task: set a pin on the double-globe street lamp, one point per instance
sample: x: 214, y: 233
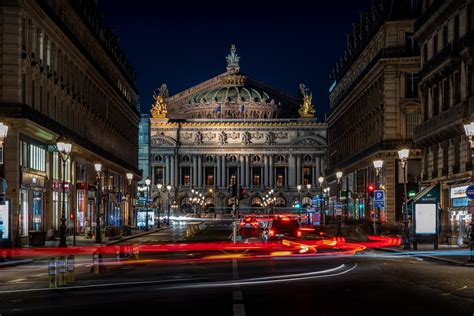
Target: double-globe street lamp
x: 129, y: 178
x: 64, y: 149
x: 147, y: 182
x: 403, y: 154
x: 98, y: 170
x: 159, y: 186
x: 168, y: 193
x: 321, y: 206
x: 338, y: 201
x: 378, y: 164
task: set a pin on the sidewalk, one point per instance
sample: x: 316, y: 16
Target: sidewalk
x: 80, y: 241
x: 449, y: 254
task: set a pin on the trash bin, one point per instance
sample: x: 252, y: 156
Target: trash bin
x: 36, y: 238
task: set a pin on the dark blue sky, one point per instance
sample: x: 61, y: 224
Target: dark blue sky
x: 182, y: 43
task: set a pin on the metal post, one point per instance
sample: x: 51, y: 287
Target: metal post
x: 98, y: 237
x: 62, y: 228
x: 159, y: 209
x: 146, y: 216
x: 406, y: 230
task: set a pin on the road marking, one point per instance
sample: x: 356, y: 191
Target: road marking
x: 239, y: 310
x: 39, y: 275
x: 17, y: 280
x: 237, y: 295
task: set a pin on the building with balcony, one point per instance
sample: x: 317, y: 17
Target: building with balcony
x: 233, y: 131
x: 445, y: 32
x: 62, y: 74
x: 374, y: 109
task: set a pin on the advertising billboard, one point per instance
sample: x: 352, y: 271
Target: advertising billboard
x: 425, y: 215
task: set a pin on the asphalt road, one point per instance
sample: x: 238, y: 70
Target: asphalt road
x: 369, y: 283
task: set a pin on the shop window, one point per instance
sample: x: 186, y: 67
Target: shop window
x: 23, y: 213
x: 55, y: 214
x: 37, y: 210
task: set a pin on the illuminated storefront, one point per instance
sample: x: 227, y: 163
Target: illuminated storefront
x: 459, y: 215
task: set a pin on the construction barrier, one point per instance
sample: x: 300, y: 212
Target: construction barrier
x: 62, y: 271
x: 52, y: 273
x: 71, y: 269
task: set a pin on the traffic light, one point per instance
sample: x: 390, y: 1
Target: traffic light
x: 71, y: 215
x: 371, y: 189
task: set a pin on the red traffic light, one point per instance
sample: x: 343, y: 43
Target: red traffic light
x: 71, y: 216
x: 371, y: 188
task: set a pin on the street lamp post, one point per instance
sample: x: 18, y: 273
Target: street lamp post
x: 378, y: 164
x: 64, y: 149
x: 98, y: 237
x: 299, y: 187
x: 147, y: 182
x: 321, y: 208
x: 130, y: 178
x: 168, y: 188
x: 403, y: 155
x: 338, y: 200
x: 159, y: 186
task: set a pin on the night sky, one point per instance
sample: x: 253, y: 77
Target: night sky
x: 280, y: 43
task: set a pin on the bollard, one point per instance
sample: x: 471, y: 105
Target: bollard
x: 136, y: 252
x: 62, y: 271
x: 52, y: 273
x: 71, y: 269
x: 95, y: 263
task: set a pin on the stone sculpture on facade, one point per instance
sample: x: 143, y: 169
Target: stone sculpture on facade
x: 198, y: 138
x: 270, y: 138
x: 306, y: 110
x: 222, y: 138
x: 245, y: 138
x: 159, y: 108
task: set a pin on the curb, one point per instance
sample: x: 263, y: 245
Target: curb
x: 15, y: 263
x: 428, y: 258
x: 138, y: 235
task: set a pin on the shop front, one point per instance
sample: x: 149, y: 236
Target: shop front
x: 32, y: 192
x: 459, y: 216
x: 85, y: 213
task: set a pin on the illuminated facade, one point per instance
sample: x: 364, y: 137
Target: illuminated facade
x: 232, y: 129
x: 62, y: 74
x: 374, y: 109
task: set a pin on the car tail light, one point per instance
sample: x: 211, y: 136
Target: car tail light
x: 298, y: 233
x: 271, y: 233
x: 242, y: 224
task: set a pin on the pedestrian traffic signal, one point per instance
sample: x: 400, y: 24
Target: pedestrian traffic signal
x: 71, y: 215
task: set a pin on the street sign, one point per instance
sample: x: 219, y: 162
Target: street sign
x: 379, y: 196
x: 470, y: 192
x: 379, y: 199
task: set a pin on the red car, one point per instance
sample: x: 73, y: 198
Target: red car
x: 249, y: 227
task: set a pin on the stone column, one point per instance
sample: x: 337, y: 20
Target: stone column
x: 194, y: 173
x: 271, y: 181
x: 199, y: 171
x: 265, y: 171
x: 298, y: 169
x: 242, y: 171
x: 291, y: 171
x: 217, y: 179
x: 247, y: 171
x: 313, y: 177
x: 172, y: 164
x: 176, y: 177
x: 167, y: 170
x: 224, y: 173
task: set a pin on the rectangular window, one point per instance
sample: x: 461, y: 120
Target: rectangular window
x: 412, y: 120
x: 257, y: 176
x: 446, y: 92
x: 435, y: 44
x: 233, y: 171
x: 159, y: 175
x: 24, y: 213
x: 209, y: 175
x: 410, y: 43
x: 457, y: 87
x: 185, y: 176
x: 41, y: 47
x: 48, y: 54
x: 55, y: 210
x: 411, y: 85
x: 435, y: 95
x: 280, y: 176
x: 445, y: 36
x: 425, y: 54
x: 307, y: 175
x: 456, y: 27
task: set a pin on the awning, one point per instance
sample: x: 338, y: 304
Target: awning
x: 428, y: 194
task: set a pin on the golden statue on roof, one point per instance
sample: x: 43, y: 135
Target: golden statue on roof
x: 306, y: 110
x: 159, y: 107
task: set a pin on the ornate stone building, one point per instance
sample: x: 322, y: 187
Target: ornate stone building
x: 63, y: 74
x: 445, y: 32
x: 374, y: 107
x: 234, y: 130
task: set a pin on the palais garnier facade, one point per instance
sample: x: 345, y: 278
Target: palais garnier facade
x: 232, y: 140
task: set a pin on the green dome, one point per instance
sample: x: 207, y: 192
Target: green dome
x: 232, y: 94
